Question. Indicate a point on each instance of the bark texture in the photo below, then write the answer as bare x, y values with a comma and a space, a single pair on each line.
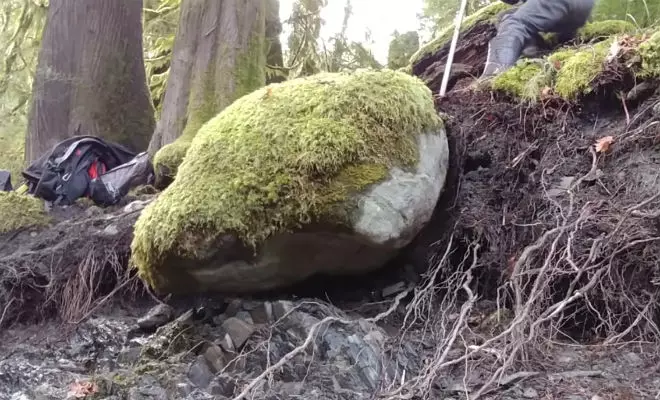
90, 76
219, 55
275, 57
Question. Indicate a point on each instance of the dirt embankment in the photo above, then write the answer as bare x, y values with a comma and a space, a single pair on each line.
562, 197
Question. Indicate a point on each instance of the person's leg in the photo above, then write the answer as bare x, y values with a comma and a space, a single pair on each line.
519, 28
580, 10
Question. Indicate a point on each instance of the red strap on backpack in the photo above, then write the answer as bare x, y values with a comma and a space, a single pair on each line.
96, 169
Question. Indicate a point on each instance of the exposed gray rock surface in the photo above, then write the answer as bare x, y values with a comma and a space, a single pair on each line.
113, 358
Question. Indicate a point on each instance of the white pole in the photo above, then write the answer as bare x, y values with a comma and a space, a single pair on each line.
452, 48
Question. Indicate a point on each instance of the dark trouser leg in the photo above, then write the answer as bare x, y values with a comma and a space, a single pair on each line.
528, 20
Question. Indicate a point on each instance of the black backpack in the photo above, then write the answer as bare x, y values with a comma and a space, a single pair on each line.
63, 174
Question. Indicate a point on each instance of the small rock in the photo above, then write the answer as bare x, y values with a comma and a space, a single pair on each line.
596, 397
633, 358
262, 314
530, 393
226, 344
110, 230
70, 366
129, 355
219, 319
245, 316
156, 317
147, 393
233, 307
239, 331
394, 289
282, 308
215, 357
135, 206
250, 305
184, 389
200, 373
292, 389
223, 385
93, 211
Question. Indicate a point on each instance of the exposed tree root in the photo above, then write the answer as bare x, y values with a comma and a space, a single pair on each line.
66, 269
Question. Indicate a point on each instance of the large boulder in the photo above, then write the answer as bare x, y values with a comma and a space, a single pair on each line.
328, 174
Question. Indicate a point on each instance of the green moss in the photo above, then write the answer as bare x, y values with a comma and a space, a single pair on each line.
21, 211
649, 52
488, 13
526, 80
569, 72
578, 68
604, 29
284, 156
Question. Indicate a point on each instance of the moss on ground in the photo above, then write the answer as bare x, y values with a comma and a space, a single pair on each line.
21, 211
578, 68
488, 13
599, 30
284, 156
526, 80
649, 52
570, 71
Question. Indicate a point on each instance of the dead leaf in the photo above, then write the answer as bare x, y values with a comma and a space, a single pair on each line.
603, 144
81, 390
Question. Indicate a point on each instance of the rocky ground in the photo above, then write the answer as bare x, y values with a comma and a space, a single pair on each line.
220, 350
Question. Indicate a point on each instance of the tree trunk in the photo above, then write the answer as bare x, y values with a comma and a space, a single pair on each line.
275, 57
90, 76
219, 56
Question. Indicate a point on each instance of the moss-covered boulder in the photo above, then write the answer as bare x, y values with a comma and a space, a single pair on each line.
21, 211
328, 174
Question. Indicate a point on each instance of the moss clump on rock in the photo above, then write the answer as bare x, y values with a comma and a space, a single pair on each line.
578, 68
21, 211
569, 72
649, 52
285, 156
488, 13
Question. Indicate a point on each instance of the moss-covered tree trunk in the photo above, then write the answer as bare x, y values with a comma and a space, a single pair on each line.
90, 76
219, 55
275, 56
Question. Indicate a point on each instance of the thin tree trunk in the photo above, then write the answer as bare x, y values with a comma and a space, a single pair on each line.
275, 57
177, 91
90, 76
219, 56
